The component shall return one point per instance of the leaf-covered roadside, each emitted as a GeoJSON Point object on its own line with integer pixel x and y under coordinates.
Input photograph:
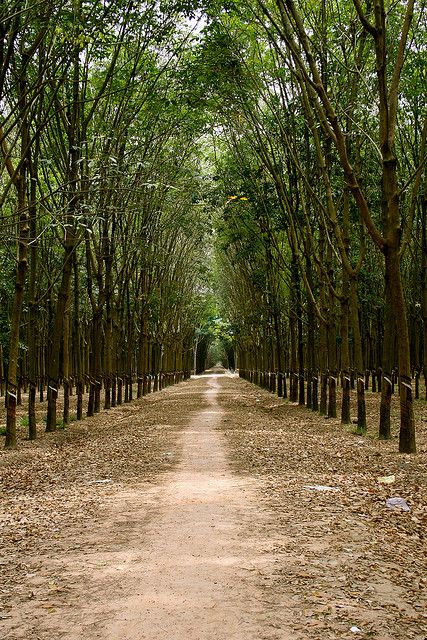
{"type": "Point", "coordinates": [343, 559]}
{"type": "Point", "coordinates": [59, 485]}
{"type": "Point", "coordinates": [338, 562]}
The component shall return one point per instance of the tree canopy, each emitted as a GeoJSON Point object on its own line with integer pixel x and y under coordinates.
{"type": "Point", "coordinates": [240, 179]}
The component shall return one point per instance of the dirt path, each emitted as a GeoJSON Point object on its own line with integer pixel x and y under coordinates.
{"type": "Point", "coordinates": [191, 572]}
{"type": "Point", "coordinates": [178, 559]}
{"type": "Point", "coordinates": [212, 511]}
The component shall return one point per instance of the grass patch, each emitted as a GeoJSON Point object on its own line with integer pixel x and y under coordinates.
{"type": "Point", "coordinates": [60, 424]}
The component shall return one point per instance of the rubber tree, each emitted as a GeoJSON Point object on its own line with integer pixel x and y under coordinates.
{"type": "Point", "coordinates": [290, 25]}
{"type": "Point", "coordinates": [20, 87]}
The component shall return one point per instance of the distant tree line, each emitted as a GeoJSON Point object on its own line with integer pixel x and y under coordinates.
{"type": "Point", "coordinates": [321, 164]}
{"type": "Point", "coordinates": [102, 224]}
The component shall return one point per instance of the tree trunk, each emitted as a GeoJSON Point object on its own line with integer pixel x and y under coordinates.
{"type": "Point", "coordinates": [77, 341]}
{"type": "Point", "coordinates": [19, 180]}
{"type": "Point", "coordinates": [53, 367]}
{"type": "Point", "coordinates": [301, 389]}
{"type": "Point", "coordinates": [345, 352]}
{"type": "Point", "coordinates": [424, 281]}
{"type": "Point", "coordinates": [323, 351]}
{"type": "Point", "coordinates": [407, 423]}
{"type": "Point", "coordinates": [15, 321]}
{"type": "Point", "coordinates": [332, 347]}
{"type": "Point", "coordinates": [66, 368]}
{"type": "Point", "coordinates": [387, 362]}
{"type": "Point", "coordinates": [315, 392]}
{"type": "Point", "coordinates": [293, 386]}
{"type": "Point", "coordinates": [358, 356]}
{"type": "Point", "coordinates": [33, 314]}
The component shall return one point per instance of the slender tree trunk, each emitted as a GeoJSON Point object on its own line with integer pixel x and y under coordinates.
{"type": "Point", "coordinates": [33, 314]}
{"type": "Point", "coordinates": [293, 386]}
{"type": "Point", "coordinates": [279, 357]}
{"type": "Point", "coordinates": [94, 403]}
{"type": "Point", "coordinates": [19, 180]}
{"type": "Point", "coordinates": [345, 312]}
{"type": "Point", "coordinates": [345, 353]}
{"type": "Point", "coordinates": [53, 368]}
{"type": "Point", "coordinates": [108, 254]}
{"type": "Point", "coordinates": [332, 344]}
{"type": "Point", "coordinates": [66, 367]}
{"type": "Point", "coordinates": [407, 423]}
{"type": "Point", "coordinates": [424, 281]}
{"type": "Point", "coordinates": [332, 399]}
{"type": "Point", "coordinates": [142, 351]}
{"type": "Point", "coordinates": [108, 356]}
{"type": "Point", "coordinates": [300, 334]}
{"type": "Point", "coordinates": [323, 338]}
{"type": "Point", "coordinates": [311, 358]}
{"type": "Point", "coordinates": [358, 356]}
{"type": "Point", "coordinates": [2, 380]}
{"type": "Point", "coordinates": [77, 341]}
{"type": "Point", "coordinates": [15, 321]}
{"type": "Point", "coordinates": [387, 362]}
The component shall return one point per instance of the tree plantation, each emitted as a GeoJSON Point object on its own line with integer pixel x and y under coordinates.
{"type": "Point", "coordinates": [183, 183]}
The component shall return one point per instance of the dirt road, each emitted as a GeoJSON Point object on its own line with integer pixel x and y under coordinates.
{"type": "Point", "coordinates": [191, 572]}
{"type": "Point", "coordinates": [210, 510]}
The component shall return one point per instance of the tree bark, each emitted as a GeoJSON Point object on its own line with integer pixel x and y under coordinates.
{"type": "Point", "coordinates": [407, 423]}
{"type": "Point", "coordinates": [15, 321]}
{"type": "Point", "coordinates": [54, 364]}
{"type": "Point", "coordinates": [33, 312]}
{"type": "Point", "coordinates": [358, 356]}
{"type": "Point", "coordinates": [387, 362]}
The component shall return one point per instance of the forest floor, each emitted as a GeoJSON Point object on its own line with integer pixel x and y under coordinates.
{"type": "Point", "coordinates": [213, 510]}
